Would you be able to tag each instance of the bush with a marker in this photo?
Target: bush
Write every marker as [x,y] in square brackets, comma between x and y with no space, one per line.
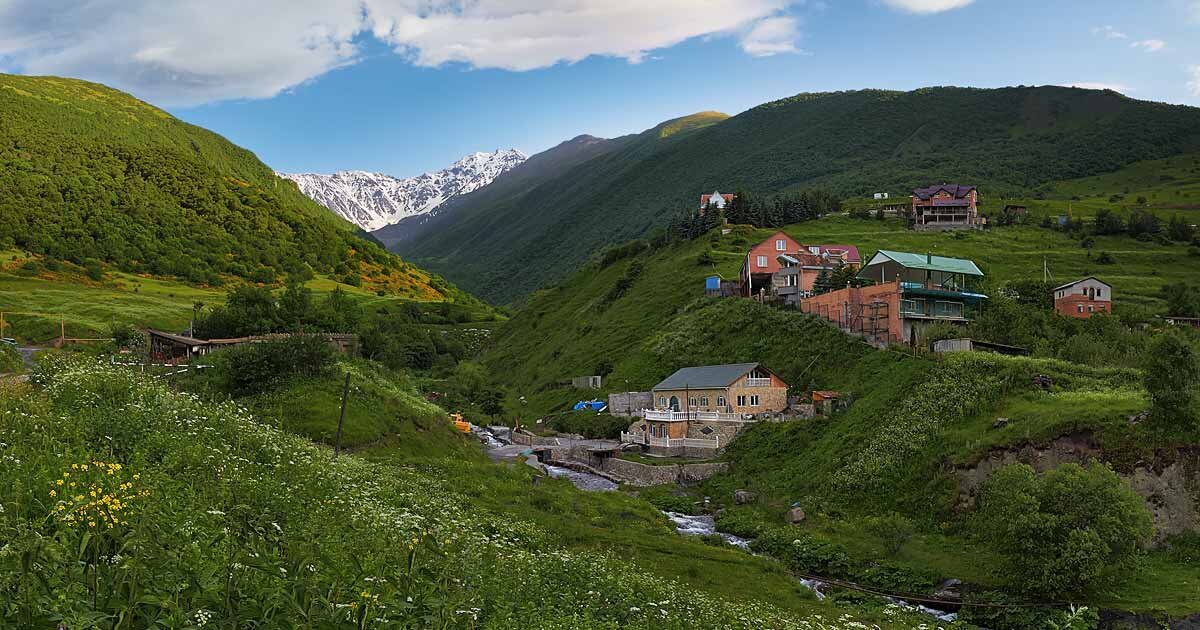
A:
[669,499]
[127,336]
[1172,376]
[804,553]
[895,577]
[1106,258]
[94,270]
[1064,532]
[742,522]
[257,367]
[893,530]
[590,425]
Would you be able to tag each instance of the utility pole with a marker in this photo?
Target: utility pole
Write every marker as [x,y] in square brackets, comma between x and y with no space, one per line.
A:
[337,444]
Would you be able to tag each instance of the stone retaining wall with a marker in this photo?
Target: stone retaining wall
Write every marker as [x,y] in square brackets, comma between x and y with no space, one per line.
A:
[636,474]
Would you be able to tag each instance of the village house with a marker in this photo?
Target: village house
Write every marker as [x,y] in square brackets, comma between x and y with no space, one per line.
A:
[716,200]
[780,267]
[945,207]
[1083,298]
[705,407]
[911,291]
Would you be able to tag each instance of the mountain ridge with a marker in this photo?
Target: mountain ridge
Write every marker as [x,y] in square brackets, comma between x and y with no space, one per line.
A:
[373,200]
[1005,140]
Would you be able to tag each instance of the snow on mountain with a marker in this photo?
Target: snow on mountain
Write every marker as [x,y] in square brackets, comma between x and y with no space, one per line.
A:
[375,200]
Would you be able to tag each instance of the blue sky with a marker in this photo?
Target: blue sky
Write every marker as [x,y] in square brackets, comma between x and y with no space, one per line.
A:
[405,86]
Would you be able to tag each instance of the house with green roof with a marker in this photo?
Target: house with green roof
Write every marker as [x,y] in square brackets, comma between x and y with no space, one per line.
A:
[907,293]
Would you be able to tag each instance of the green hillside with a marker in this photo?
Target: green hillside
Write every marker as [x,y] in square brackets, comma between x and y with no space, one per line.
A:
[1007,141]
[915,419]
[93,176]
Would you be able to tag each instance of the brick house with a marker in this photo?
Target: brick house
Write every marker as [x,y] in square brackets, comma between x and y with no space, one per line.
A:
[781,267]
[705,407]
[1083,298]
[912,292]
[945,207]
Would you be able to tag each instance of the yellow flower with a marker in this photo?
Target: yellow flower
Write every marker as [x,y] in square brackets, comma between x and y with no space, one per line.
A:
[53,493]
[67,474]
[59,482]
[74,467]
[91,523]
[83,467]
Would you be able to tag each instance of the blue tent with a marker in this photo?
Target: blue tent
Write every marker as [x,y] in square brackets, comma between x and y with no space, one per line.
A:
[591,405]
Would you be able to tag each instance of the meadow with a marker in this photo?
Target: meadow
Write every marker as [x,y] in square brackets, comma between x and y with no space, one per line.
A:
[144,506]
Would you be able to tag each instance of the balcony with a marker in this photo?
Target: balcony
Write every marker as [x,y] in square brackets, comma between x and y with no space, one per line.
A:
[758,382]
[659,415]
[935,309]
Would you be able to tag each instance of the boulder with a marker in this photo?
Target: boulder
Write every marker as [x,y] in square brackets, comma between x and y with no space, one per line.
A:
[743,497]
[794,516]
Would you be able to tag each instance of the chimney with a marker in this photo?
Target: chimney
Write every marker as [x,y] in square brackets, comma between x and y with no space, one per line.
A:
[928,258]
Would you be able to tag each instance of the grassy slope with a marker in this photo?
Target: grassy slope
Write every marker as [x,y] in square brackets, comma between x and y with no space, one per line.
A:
[1006,141]
[661,324]
[259,545]
[33,305]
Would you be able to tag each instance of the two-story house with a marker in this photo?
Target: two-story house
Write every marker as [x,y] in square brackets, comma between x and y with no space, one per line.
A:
[945,207]
[783,268]
[705,407]
[716,200]
[1083,298]
[911,291]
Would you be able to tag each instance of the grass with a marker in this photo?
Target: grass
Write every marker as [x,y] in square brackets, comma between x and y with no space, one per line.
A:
[662,461]
[35,306]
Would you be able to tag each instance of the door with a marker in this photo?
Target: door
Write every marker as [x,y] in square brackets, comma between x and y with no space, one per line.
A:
[674,403]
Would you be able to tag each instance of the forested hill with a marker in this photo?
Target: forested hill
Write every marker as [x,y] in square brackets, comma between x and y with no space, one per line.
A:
[90,173]
[1005,141]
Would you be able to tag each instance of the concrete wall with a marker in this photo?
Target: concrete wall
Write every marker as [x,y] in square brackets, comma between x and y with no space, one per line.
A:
[637,474]
[586,382]
[629,403]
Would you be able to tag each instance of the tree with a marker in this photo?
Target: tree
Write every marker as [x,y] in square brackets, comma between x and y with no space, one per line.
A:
[1180,230]
[492,402]
[1172,378]
[295,306]
[1109,222]
[823,283]
[1183,300]
[1064,532]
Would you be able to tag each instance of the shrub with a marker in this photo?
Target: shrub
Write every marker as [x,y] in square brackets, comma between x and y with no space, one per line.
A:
[127,336]
[893,530]
[94,270]
[742,522]
[1106,258]
[804,552]
[895,577]
[668,499]
[257,367]
[1064,532]
[592,426]
[1172,376]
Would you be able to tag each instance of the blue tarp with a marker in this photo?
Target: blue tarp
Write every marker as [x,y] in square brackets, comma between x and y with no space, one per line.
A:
[712,282]
[591,405]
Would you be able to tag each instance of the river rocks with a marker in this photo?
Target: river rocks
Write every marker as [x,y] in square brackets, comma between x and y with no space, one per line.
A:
[795,516]
[743,497]
[950,590]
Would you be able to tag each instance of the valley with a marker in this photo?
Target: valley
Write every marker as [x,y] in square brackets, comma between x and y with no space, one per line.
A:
[792,405]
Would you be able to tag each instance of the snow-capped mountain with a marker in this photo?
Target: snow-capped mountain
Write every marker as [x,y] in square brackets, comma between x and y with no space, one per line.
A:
[375,200]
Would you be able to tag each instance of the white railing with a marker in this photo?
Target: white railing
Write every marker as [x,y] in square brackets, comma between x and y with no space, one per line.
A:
[650,440]
[684,416]
[758,382]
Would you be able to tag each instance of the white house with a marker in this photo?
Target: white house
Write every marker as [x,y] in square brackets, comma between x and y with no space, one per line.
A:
[717,199]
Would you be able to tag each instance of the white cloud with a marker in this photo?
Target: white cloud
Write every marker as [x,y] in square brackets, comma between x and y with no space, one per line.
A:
[1149,45]
[927,6]
[772,36]
[1096,85]
[1109,31]
[1193,86]
[182,53]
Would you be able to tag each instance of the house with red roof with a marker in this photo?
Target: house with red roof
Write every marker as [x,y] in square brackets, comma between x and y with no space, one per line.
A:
[783,268]
[716,199]
[945,207]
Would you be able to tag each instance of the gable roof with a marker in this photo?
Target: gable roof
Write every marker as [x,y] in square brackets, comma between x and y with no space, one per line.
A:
[928,262]
[850,251]
[706,376]
[1071,284]
[704,198]
[958,191]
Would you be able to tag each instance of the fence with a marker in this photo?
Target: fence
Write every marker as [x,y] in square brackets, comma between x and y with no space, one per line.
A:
[693,416]
[649,440]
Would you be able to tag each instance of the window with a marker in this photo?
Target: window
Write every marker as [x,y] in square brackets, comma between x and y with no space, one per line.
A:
[762,261]
[692,402]
[780,245]
[662,401]
[1080,307]
[1091,308]
[754,400]
[720,401]
[741,401]
[704,401]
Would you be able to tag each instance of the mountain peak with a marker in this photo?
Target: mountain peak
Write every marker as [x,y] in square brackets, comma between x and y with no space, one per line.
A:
[374,200]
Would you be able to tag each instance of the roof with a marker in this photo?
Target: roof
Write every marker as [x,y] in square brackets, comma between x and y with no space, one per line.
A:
[704,198]
[184,339]
[1071,284]
[834,250]
[930,262]
[958,191]
[706,376]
